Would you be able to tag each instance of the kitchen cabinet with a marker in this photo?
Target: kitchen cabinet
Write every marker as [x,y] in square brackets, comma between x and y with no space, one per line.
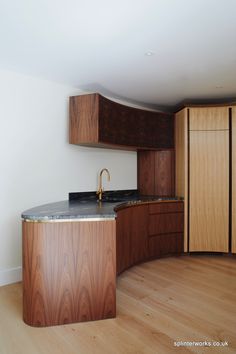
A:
[156,172]
[202,176]
[233,179]
[100,122]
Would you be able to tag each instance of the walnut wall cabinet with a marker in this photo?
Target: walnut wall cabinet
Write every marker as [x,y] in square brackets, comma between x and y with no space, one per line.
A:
[100,122]
[156,172]
[203,150]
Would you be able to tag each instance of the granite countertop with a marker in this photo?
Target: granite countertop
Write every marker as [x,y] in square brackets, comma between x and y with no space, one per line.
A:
[84,205]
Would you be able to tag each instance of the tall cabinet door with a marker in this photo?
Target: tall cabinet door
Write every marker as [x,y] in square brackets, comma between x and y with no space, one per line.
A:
[209,180]
[234,180]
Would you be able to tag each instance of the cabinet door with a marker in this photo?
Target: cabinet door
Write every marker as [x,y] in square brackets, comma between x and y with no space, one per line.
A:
[164,173]
[234,180]
[139,220]
[209,118]
[146,172]
[128,126]
[131,236]
[156,172]
[123,238]
[209,190]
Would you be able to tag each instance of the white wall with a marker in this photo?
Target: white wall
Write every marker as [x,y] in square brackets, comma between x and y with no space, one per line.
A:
[37,163]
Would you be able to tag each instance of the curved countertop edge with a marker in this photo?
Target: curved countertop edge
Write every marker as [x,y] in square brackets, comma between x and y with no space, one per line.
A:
[71,211]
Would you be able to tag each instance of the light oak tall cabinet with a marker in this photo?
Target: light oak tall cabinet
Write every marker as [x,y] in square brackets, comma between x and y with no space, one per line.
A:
[202,138]
[233,179]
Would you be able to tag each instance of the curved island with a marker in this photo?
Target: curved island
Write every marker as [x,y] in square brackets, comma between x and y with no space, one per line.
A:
[73,250]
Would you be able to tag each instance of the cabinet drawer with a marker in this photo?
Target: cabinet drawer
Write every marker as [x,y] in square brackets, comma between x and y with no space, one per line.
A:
[164,207]
[165,244]
[165,223]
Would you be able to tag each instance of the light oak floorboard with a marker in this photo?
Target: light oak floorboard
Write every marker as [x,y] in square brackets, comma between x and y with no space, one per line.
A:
[172,299]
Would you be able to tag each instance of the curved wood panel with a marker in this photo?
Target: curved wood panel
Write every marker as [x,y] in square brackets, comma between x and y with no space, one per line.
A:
[69,272]
[148,231]
[131,236]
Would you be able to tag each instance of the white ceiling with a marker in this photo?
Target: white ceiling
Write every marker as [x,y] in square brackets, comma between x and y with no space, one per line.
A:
[101,45]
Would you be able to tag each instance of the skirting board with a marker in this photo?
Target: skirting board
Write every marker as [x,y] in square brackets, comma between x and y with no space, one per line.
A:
[11,275]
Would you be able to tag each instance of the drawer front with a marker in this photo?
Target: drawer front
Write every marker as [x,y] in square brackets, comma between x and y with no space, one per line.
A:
[165,244]
[164,207]
[165,223]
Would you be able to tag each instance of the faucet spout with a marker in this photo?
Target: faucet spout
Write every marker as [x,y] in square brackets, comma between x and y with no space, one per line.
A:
[100,190]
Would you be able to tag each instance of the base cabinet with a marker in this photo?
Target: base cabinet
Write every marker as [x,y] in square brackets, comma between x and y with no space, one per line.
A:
[69,268]
[148,231]
[165,229]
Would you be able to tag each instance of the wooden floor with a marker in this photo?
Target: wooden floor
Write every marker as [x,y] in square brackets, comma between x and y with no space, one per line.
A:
[189,298]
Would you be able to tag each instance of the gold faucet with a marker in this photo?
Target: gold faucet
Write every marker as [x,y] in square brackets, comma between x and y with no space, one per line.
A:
[100,190]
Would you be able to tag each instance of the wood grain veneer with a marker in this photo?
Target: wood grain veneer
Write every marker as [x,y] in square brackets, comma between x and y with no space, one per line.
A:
[233,248]
[167,244]
[181,165]
[164,173]
[166,207]
[209,118]
[146,172]
[83,113]
[137,224]
[209,190]
[156,172]
[69,272]
[165,223]
[165,229]
[131,236]
[98,121]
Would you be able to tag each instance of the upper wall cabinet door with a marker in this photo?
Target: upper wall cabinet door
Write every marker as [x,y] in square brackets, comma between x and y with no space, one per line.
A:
[156,172]
[209,118]
[97,121]
[234,179]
